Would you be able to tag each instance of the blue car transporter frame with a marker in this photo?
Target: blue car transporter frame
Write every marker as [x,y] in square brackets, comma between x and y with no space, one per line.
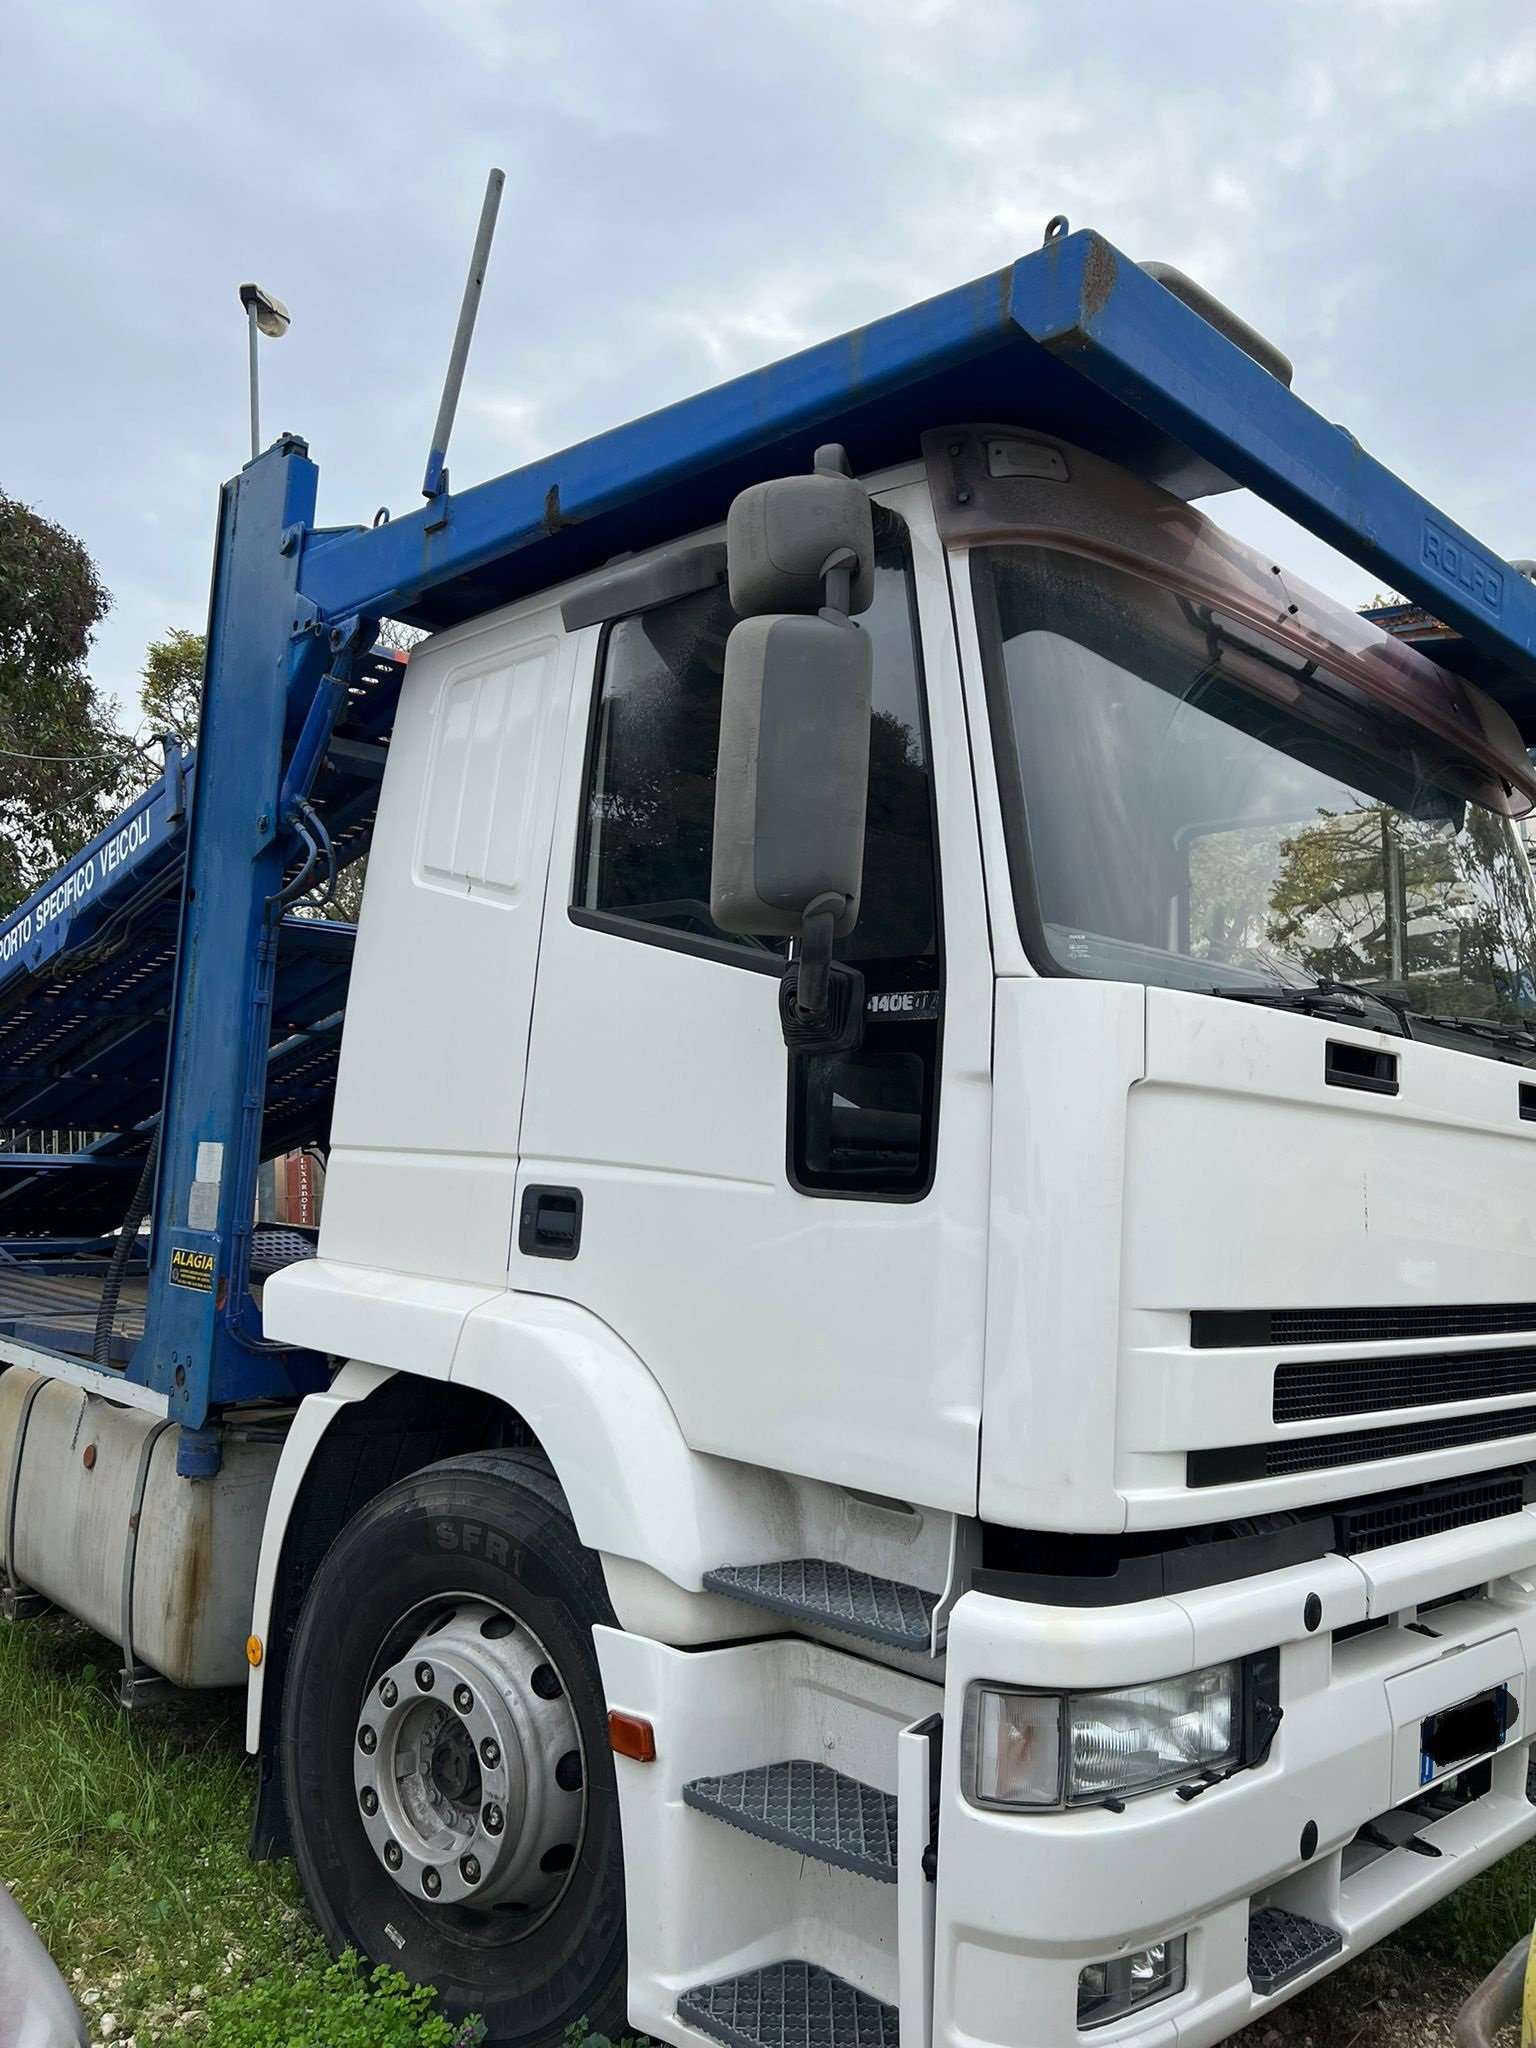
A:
[1074,336]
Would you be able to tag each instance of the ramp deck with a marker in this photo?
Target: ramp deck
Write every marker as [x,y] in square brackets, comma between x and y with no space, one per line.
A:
[87,976]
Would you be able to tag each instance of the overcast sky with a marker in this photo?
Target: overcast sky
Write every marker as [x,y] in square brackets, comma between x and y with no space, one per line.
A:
[694,189]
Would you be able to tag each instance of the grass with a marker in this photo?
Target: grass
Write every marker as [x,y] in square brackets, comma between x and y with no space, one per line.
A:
[124,1840]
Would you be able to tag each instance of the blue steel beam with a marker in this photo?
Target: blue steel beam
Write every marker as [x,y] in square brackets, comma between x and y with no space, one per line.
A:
[1093,308]
[1075,334]
[265,668]
[385,569]
[72,906]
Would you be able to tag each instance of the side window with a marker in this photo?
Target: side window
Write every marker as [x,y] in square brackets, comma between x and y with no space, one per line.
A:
[861,1123]
[650,802]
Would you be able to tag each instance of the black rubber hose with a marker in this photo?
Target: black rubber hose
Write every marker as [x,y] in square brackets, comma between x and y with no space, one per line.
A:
[122,1252]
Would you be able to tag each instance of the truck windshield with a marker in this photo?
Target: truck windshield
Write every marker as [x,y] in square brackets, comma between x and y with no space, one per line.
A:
[1191,803]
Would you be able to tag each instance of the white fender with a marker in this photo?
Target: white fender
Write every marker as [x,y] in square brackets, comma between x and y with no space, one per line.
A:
[636,1490]
[316,1413]
[635,1487]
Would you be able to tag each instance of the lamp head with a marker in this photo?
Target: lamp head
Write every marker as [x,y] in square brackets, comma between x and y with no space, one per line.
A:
[271,314]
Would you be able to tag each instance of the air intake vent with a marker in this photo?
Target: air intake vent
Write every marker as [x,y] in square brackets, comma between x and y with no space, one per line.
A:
[1230,1466]
[1426,1511]
[1222,1329]
[1362,1386]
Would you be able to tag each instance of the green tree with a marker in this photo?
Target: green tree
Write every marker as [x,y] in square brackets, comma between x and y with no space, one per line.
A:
[171,682]
[1439,907]
[63,760]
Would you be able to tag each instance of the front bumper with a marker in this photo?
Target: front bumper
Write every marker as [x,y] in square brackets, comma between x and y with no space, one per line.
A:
[1024,1901]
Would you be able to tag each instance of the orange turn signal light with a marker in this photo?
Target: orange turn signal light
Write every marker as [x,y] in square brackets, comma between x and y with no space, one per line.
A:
[253,1651]
[633,1736]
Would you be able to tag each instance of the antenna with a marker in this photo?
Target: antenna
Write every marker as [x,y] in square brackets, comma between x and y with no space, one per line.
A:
[435,483]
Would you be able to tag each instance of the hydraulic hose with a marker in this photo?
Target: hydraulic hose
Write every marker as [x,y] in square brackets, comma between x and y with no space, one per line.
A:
[122,1252]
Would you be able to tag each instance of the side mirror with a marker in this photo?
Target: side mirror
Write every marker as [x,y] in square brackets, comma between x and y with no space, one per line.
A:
[792,776]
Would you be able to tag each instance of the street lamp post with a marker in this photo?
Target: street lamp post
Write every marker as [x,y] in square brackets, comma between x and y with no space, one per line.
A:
[268,316]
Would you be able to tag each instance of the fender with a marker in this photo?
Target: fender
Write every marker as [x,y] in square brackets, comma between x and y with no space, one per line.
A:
[315,1415]
[636,1489]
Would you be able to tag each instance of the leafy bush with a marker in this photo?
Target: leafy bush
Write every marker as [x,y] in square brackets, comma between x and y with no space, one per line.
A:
[341,2007]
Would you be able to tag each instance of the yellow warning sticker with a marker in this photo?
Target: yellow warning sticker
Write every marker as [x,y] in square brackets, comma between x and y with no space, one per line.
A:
[192,1269]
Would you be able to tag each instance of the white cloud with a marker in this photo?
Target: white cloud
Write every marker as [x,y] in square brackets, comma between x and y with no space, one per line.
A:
[697,186]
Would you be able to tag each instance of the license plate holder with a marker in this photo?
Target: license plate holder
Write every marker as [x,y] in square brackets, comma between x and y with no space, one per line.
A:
[1458,1734]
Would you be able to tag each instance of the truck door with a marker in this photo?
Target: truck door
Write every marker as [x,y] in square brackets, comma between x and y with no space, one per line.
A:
[425,1132]
[795,1249]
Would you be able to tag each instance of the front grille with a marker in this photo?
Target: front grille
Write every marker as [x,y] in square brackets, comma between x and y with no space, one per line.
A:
[1360,1386]
[1235,1463]
[1373,1524]
[1227,1329]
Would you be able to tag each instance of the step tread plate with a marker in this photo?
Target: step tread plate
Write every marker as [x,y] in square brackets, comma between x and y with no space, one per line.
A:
[1283,1946]
[790,2005]
[852,1602]
[810,1807]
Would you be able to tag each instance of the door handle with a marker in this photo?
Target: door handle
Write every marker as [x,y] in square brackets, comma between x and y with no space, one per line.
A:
[549,1223]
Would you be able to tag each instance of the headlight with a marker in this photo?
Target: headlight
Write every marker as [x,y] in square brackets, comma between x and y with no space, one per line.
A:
[1069,1749]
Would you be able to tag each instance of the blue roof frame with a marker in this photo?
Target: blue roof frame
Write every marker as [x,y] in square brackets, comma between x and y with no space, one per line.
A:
[1075,336]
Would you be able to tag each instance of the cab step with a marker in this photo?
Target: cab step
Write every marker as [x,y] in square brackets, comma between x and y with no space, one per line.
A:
[808,1807]
[790,2005]
[810,1589]
[1283,1946]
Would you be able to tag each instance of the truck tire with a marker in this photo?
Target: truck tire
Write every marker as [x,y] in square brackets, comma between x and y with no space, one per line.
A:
[445,1751]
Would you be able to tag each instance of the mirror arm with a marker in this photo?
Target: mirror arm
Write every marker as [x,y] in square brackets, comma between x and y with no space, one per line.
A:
[813,958]
[837,574]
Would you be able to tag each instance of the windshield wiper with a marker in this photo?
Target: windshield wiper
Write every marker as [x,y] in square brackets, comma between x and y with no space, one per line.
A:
[1311,1000]
[1324,997]
[1520,1034]
[1330,997]
[1395,1004]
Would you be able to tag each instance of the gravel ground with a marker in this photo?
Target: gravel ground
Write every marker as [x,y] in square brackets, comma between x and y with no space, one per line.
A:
[1387,1998]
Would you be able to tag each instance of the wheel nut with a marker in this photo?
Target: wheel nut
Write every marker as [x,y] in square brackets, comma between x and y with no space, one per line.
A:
[368,1800]
[431,1883]
[490,1753]
[389,1692]
[367,1741]
[494,1819]
[463,1698]
[469,1869]
[426,1677]
[392,1855]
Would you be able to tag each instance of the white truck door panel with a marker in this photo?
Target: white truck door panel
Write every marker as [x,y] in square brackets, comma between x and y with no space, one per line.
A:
[424,1142]
[830,1334]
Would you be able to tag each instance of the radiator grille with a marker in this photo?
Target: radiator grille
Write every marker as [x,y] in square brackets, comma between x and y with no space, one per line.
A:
[1399,1517]
[1360,1386]
[1233,1464]
[1219,1329]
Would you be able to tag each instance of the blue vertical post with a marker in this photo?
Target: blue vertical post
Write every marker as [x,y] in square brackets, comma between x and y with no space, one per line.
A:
[264,665]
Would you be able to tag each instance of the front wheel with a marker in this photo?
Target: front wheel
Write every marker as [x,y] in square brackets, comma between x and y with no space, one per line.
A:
[445,1756]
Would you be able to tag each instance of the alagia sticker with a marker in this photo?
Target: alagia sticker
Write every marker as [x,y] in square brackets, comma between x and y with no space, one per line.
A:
[192,1269]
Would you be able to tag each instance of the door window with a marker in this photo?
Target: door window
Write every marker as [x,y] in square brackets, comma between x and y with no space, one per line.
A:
[861,1123]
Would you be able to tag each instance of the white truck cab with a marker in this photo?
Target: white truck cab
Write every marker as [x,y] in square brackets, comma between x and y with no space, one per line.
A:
[922,1348]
